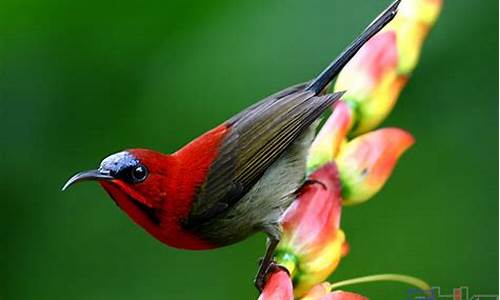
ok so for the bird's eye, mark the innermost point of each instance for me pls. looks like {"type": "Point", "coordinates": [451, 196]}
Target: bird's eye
{"type": "Point", "coordinates": [139, 173]}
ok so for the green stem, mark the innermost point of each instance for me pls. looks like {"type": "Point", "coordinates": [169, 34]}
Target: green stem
{"type": "Point", "coordinates": [384, 277]}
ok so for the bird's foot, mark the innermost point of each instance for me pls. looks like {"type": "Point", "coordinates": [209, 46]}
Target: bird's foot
{"type": "Point", "coordinates": [306, 183]}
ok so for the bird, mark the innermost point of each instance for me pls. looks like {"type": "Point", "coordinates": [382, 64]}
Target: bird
{"type": "Point", "coordinates": [236, 179]}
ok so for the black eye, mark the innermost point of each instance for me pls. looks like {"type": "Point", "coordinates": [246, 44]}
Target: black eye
{"type": "Point", "coordinates": [139, 173]}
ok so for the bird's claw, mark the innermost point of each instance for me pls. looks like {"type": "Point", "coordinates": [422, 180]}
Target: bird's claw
{"type": "Point", "coordinates": [314, 181]}
{"type": "Point", "coordinates": [259, 283]}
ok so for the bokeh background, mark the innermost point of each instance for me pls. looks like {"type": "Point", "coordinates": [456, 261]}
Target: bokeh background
{"type": "Point", "coordinates": [82, 79]}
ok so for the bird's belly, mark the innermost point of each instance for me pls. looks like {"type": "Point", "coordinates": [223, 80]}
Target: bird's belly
{"type": "Point", "coordinates": [262, 207]}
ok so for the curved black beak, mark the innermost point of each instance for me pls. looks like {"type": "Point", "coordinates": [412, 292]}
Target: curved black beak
{"type": "Point", "coordinates": [87, 175]}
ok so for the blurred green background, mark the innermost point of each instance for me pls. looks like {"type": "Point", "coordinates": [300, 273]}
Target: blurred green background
{"type": "Point", "coordinates": [82, 79]}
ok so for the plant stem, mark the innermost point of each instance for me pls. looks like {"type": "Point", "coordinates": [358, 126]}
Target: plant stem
{"type": "Point", "coordinates": [384, 277]}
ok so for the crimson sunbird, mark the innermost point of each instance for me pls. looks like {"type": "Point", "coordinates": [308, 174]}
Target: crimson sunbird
{"type": "Point", "coordinates": [236, 179]}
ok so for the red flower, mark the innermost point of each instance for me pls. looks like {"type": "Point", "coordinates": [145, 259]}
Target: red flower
{"type": "Point", "coordinates": [366, 162]}
{"type": "Point", "coordinates": [278, 286]}
{"type": "Point", "coordinates": [312, 242]}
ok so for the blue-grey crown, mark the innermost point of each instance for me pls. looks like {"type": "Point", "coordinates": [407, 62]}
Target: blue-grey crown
{"type": "Point", "coordinates": [117, 162]}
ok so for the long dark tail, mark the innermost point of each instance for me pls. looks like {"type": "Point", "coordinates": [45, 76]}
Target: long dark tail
{"type": "Point", "coordinates": [323, 79]}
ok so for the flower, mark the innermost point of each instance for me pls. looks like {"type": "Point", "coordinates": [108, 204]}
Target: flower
{"type": "Point", "coordinates": [341, 295]}
{"type": "Point", "coordinates": [278, 285]}
{"type": "Point", "coordinates": [312, 242]}
{"type": "Point", "coordinates": [366, 162]}
{"type": "Point", "coordinates": [323, 292]}
{"type": "Point", "coordinates": [374, 78]}
{"type": "Point", "coordinates": [412, 24]}
{"type": "Point", "coordinates": [371, 81]}
{"type": "Point", "coordinates": [331, 136]}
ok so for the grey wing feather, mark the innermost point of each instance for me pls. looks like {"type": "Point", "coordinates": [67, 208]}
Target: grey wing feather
{"type": "Point", "coordinates": [257, 137]}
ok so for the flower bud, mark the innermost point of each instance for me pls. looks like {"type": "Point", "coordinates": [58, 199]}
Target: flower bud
{"type": "Point", "coordinates": [278, 286]}
{"type": "Point", "coordinates": [412, 24]}
{"type": "Point", "coordinates": [376, 75]}
{"type": "Point", "coordinates": [366, 162]}
{"type": "Point", "coordinates": [371, 81]}
{"type": "Point", "coordinates": [312, 243]}
{"type": "Point", "coordinates": [331, 136]}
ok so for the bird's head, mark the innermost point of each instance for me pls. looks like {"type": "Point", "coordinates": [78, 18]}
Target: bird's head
{"type": "Point", "coordinates": [146, 185]}
{"type": "Point", "coordinates": [134, 179]}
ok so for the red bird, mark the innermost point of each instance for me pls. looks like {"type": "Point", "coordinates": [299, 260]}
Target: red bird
{"type": "Point", "coordinates": [236, 179]}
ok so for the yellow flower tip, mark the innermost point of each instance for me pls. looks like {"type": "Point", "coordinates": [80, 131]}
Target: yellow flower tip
{"type": "Point", "coordinates": [412, 24]}
{"type": "Point", "coordinates": [329, 139]}
{"type": "Point", "coordinates": [318, 291]}
{"type": "Point", "coordinates": [366, 162]}
{"type": "Point", "coordinates": [423, 11]}
{"type": "Point", "coordinates": [318, 265]}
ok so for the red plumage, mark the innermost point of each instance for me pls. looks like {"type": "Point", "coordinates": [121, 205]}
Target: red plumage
{"type": "Point", "coordinates": [173, 176]}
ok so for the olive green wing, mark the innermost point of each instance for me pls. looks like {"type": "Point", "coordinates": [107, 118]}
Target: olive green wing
{"type": "Point", "coordinates": [256, 138]}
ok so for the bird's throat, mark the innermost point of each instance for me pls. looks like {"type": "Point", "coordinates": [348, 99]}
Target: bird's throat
{"type": "Point", "coordinates": [144, 215]}
{"type": "Point", "coordinates": [167, 231]}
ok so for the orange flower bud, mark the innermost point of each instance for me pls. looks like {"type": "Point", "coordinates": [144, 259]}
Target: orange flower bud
{"type": "Point", "coordinates": [366, 162]}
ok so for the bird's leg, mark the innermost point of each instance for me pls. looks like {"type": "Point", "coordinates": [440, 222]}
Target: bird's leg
{"type": "Point", "coordinates": [265, 264]}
